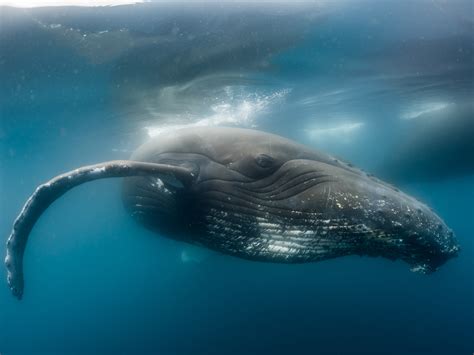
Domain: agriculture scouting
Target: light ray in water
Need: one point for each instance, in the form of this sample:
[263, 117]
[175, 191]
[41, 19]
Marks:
[425, 108]
[342, 130]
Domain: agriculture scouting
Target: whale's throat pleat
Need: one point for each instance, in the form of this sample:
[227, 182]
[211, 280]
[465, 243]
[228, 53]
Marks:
[256, 221]
[249, 220]
[272, 238]
[159, 205]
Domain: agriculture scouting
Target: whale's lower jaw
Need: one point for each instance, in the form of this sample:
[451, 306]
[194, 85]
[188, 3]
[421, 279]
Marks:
[302, 238]
[262, 230]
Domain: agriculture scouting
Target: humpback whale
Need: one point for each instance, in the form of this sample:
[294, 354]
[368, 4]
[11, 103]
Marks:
[256, 196]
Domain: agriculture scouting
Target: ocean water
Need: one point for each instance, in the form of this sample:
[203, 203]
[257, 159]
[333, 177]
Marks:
[387, 85]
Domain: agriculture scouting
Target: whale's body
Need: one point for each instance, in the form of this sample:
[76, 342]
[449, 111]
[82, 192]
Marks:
[256, 196]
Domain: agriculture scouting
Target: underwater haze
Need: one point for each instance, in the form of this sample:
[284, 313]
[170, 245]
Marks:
[386, 85]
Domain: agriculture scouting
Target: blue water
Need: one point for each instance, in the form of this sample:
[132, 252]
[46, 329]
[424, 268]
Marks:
[386, 85]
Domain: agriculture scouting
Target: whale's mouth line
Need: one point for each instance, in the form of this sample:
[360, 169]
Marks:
[266, 192]
[267, 183]
[296, 185]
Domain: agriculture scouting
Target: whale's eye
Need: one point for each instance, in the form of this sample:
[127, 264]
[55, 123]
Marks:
[265, 161]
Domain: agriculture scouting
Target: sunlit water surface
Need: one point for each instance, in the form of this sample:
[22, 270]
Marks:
[386, 85]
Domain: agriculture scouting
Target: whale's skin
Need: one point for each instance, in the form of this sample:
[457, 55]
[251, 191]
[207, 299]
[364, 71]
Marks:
[256, 196]
[263, 197]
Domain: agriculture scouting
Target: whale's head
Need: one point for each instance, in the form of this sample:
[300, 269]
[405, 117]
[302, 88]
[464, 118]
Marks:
[263, 197]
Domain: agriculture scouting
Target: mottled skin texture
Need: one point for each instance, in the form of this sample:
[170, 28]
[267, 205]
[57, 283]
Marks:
[263, 197]
[256, 196]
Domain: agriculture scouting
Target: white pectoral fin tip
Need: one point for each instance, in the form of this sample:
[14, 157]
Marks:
[47, 193]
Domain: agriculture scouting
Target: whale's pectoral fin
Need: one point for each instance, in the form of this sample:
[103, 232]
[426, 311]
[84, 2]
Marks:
[47, 193]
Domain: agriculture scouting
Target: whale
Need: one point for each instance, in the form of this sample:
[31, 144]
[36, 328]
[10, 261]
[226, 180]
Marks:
[257, 196]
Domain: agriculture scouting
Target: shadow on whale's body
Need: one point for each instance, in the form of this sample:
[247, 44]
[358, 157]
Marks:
[256, 196]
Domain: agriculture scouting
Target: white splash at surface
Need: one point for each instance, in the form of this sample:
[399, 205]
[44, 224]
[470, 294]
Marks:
[243, 112]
